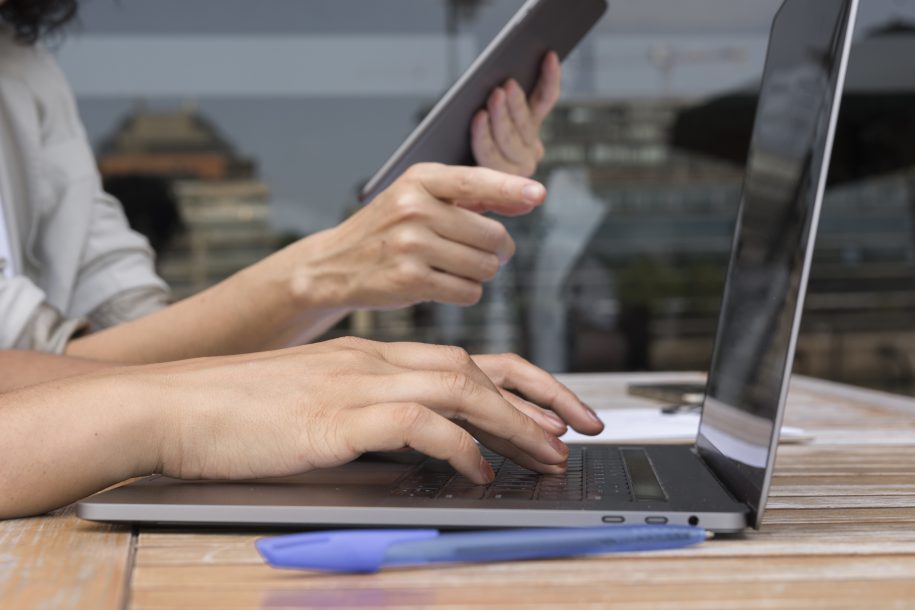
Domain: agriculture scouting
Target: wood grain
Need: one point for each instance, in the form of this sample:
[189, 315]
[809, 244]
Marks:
[839, 533]
[58, 561]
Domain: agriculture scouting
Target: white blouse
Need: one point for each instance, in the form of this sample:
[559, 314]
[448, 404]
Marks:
[76, 261]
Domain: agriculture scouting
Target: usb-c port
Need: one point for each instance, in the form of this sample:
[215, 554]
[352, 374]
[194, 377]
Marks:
[613, 519]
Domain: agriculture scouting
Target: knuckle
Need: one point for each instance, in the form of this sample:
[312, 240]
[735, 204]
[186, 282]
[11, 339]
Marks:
[410, 274]
[353, 350]
[507, 188]
[465, 183]
[408, 204]
[515, 358]
[349, 342]
[458, 383]
[415, 171]
[465, 443]
[350, 360]
[411, 417]
[459, 356]
[408, 240]
[427, 166]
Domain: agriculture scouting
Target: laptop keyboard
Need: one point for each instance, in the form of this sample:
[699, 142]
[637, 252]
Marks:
[594, 473]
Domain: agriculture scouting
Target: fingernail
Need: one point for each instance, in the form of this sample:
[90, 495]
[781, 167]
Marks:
[593, 415]
[486, 471]
[533, 193]
[558, 445]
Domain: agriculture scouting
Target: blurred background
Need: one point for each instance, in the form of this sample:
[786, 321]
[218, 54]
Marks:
[230, 128]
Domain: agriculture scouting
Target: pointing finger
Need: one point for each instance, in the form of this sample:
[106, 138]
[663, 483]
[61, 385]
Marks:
[497, 191]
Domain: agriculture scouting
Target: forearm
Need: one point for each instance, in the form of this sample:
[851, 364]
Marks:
[64, 440]
[253, 310]
[21, 369]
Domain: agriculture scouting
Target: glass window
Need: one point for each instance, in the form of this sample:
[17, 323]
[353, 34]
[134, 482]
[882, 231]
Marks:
[229, 130]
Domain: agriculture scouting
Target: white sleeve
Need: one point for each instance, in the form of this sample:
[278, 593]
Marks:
[116, 283]
[116, 269]
[29, 322]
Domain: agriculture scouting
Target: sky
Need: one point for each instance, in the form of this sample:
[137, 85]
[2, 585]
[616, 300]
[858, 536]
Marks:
[320, 92]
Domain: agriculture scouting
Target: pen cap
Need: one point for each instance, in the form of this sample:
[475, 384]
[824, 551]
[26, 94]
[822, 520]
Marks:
[348, 551]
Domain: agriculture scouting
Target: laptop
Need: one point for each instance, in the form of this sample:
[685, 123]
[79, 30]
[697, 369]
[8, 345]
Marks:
[722, 481]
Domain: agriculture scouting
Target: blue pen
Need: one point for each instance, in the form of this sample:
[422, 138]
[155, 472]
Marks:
[369, 550]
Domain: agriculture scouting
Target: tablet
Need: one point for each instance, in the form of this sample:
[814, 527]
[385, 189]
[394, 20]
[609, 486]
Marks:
[517, 52]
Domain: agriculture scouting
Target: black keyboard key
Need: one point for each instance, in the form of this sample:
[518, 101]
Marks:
[511, 494]
[594, 473]
[477, 492]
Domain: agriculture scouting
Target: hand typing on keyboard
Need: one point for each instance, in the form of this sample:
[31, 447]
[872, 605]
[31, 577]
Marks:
[593, 473]
[285, 412]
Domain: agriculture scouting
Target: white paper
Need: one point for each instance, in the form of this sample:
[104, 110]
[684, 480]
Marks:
[653, 426]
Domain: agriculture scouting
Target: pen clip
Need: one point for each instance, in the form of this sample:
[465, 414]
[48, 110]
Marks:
[340, 551]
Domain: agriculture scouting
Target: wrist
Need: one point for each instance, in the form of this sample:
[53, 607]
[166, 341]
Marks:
[129, 420]
[312, 282]
[281, 297]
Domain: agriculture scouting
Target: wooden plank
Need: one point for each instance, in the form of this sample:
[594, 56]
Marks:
[839, 533]
[612, 570]
[892, 488]
[832, 502]
[792, 596]
[622, 582]
[61, 562]
[840, 516]
[774, 540]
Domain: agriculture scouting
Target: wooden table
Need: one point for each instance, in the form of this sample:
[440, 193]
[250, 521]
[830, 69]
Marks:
[839, 533]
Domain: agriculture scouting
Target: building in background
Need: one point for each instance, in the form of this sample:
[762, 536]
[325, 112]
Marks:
[222, 204]
[664, 239]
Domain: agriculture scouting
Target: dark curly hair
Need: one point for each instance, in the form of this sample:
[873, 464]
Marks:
[32, 19]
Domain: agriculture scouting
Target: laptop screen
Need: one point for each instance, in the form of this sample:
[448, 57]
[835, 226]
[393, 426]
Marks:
[776, 226]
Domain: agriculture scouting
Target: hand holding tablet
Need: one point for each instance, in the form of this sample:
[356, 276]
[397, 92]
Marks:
[506, 134]
[517, 53]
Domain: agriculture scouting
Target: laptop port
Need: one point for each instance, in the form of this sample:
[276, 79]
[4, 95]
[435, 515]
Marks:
[613, 519]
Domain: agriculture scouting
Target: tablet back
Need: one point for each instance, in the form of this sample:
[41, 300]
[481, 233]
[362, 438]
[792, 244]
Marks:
[517, 52]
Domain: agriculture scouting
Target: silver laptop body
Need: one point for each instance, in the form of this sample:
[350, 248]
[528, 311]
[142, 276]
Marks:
[722, 482]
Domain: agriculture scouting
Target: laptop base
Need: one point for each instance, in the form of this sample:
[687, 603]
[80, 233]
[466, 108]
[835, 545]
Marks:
[369, 493]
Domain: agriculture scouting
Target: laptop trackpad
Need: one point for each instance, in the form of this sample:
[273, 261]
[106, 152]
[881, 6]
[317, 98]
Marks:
[642, 478]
